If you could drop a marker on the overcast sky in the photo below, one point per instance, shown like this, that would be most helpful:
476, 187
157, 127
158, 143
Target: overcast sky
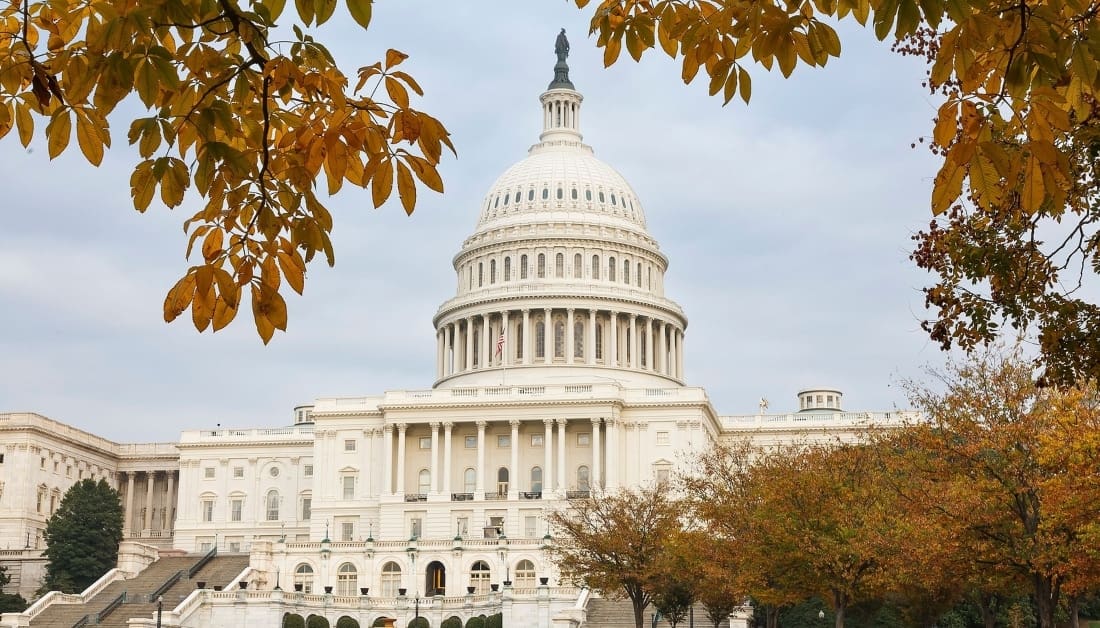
787, 224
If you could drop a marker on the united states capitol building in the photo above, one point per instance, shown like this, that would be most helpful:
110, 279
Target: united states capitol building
559, 374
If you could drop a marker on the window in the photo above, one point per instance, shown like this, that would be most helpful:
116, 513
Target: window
470, 442
415, 525
347, 580
502, 481
560, 194
545, 193
530, 526
517, 195
559, 265
588, 195
599, 341
479, 577
662, 438
595, 266
523, 267
611, 269
559, 339
477, 343
208, 473
626, 271
540, 340
507, 269
536, 440
829, 400
661, 474
492, 271
573, 194
480, 274
69, 471
819, 400
207, 508
307, 508
536, 479
348, 483
578, 266
238, 472
506, 197
425, 442
390, 580
525, 574
541, 266
347, 531
582, 478
504, 441
307, 470
584, 440
462, 526
273, 505
578, 339
236, 507
469, 480
274, 472
519, 340
349, 445
531, 194
303, 575
638, 275
424, 482
601, 196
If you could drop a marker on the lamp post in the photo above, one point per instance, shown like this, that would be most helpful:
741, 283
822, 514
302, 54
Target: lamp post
502, 552
416, 582
160, 608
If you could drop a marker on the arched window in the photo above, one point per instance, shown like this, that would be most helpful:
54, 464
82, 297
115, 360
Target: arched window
303, 575
531, 194
480, 274
502, 480
492, 271
523, 267
611, 269
578, 339
626, 271
424, 482
559, 339
612, 198
347, 580
599, 341
545, 193
541, 266
588, 195
574, 194
540, 339
477, 343
559, 265
479, 577
517, 196
601, 196
643, 339
561, 195
470, 275
582, 478
595, 266
649, 277
390, 581
638, 275
496, 202
578, 266
272, 505
469, 481
524, 574
536, 479
507, 269
506, 196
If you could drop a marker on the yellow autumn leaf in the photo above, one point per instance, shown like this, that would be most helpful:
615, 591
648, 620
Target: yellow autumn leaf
58, 132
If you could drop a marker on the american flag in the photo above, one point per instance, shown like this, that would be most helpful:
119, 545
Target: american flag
500, 345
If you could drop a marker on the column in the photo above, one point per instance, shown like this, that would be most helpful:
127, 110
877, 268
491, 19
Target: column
561, 454
505, 359
128, 515
680, 354
439, 354
662, 348
486, 342
595, 480
526, 340
612, 453
171, 503
590, 344
150, 479
548, 464
513, 471
448, 352
447, 458
366, 483
433, 468
479, 489
469, 343
569, 340
634, 362
649, 344
547, 337
387, 459
613, 338
401, 427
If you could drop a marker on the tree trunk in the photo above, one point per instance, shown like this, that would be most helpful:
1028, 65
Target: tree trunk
987, 603
1046, 600
639, 612
840, 602
771, 615
1075, 612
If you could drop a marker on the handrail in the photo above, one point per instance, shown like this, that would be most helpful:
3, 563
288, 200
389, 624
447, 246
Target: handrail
168, 584
202, 562
110, 608
83, 621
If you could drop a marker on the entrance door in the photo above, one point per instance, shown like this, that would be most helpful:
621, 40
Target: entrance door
436, 579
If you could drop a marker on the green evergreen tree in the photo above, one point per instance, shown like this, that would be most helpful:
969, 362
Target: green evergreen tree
82, 537
9, 602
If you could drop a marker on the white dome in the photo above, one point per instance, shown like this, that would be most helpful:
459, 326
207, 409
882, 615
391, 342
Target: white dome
561, 180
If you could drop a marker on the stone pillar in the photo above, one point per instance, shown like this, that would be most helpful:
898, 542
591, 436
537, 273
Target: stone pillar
548, 465
526, 340
612, 471
150, 479
447, 427
596, 480
448, 352
569, 340
547, 337
439, 354
632, 347
470, 343
486, 342
505, 359
513, 472
613, 339
561, 454
590, 346
649, 344
662, 348
401, 427
387, 459
479, 488
680, 354
128, 516
433, 467
170, 504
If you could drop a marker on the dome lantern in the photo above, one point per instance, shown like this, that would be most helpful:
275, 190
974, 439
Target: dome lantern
561, 102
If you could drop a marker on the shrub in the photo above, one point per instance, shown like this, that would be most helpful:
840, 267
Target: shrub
316, 621
495, 621
291, 620
346, 622
475, 622
451, 622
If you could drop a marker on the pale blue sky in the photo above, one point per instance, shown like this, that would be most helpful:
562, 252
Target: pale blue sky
787, 223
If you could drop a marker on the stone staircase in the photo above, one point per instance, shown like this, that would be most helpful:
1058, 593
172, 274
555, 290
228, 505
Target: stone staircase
604, 613
219, 572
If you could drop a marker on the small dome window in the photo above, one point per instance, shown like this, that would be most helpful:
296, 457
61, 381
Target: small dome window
496, 203
601, 196
612, 198
531, 194
574, 194
545, 193
561, 194
517, 196
588, 195
506, 199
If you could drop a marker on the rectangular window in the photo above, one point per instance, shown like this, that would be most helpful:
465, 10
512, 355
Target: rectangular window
347, 531
349, 445
307, 508
530, 526
415, 527
234, 546
238, 472
207, 510
307, 470
536, 440
236, 508
504, 440
205, 545
56, 466
69, 471
208, 473
425, 442
662, 438
349, 486
42, 465
471, 442
462, 526
584, 439
662, 476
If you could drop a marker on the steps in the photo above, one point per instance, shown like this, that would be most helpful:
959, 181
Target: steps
604, 613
